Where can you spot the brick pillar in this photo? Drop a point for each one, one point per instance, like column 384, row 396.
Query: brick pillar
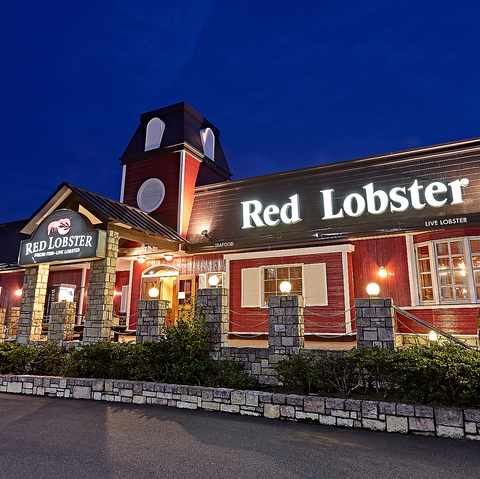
column 12, row 323
column 375, row 322
column 216, row 304
column 3, row 332
column 151, row 319
column 286, row 329
column 101, row 287
column 62, row 321
column 33, row 303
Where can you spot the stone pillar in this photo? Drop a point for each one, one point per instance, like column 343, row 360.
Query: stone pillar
column 12, row 323
column 375, row 322
column 32, row 305
column 286, row 328
column 101, row 288
column 3, row 332
column 215, row 302
column 151, row 319
column 62, row 321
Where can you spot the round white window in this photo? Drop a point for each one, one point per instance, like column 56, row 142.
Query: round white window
column 150, row 195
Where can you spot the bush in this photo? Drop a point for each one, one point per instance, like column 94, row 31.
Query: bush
column 180, row 356
column 438, row 375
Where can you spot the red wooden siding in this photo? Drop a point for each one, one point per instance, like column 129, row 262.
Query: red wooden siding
column 190, row 178
column 451, row 320
column 10, row 282
column 256, row 319
column 444, row 234
column 166, row 169
column 389, row 252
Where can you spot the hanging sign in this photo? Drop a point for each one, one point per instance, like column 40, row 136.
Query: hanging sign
column 62, row 237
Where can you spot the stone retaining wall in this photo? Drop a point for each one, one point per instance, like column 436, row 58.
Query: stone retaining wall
column 456, row 423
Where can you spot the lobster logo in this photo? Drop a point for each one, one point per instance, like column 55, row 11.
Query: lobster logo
column 61, row 226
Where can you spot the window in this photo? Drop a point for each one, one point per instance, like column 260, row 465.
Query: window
column 275, row 275
column 449, row 271
column 153, row 137
column 208, row 142
column 307, row 280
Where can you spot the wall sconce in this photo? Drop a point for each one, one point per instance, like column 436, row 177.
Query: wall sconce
column 373, row 290
column 382, row 272
column 153, row 292
column 168, row 256
column 18, row 292
column 213, row 281
column 285, row 287
column 205, row 233
column 141, row 259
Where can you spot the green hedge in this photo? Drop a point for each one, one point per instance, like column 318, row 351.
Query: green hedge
column 448, row 375
column 178, row 357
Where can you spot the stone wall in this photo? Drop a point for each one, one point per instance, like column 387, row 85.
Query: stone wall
column 3, row 326
column 101, row 287
column 375, row 321
column 450, row 422
column 12, row 323
column 151, row 319
column 32, row 305
column 62, row 321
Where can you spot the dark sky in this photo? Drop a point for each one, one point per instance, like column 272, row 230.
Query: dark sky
column 289, row 84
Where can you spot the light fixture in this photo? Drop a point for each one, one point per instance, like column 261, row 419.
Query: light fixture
column 153, row 292
column 432, row 336
column 141, row 259
column 18, row 292
column 373, row 289
column 205, row 233
column 213, row 281
column 117, row 293
column 285, row 287
column 168, row 256
column 381, row 272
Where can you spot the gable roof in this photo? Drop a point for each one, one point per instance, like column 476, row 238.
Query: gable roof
column 10, row 239
column 106, row 210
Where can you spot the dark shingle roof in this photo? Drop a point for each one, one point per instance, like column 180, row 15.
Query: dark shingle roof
column 10, row 239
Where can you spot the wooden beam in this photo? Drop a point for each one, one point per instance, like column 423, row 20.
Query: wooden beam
column 145, row 238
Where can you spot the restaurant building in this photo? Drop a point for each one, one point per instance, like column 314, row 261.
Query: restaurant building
column 407, row 221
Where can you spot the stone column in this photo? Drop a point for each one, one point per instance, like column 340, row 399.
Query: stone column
column 151, row 319
column 215, row 302
column 3, row 332
column 12, row 323
column 32, row 305
column 101, row 288
column 286, row 328
column 375, row 320
column 62, row 321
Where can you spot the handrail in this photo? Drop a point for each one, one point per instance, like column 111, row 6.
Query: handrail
column 432, row 327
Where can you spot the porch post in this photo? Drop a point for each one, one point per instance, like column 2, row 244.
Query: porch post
column 375, row 320
column 216, row 304
column 33, row 303
column 101, row 287
column 151, row 319
column 62, row 321
column 286, row 327
column 3, row 314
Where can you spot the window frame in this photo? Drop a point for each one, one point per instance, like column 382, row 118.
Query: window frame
column 473, row 298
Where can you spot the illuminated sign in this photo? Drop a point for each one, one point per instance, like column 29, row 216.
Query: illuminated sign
column 62, row 237
column 374, row 201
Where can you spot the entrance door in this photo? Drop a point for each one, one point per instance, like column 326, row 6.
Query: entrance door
column 185, row 291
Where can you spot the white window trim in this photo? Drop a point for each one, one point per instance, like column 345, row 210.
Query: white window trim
column 437, row 302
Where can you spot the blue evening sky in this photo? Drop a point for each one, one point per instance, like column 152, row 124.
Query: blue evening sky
column 289, row 84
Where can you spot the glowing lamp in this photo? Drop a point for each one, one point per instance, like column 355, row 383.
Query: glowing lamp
column 432, row 336
column 213, row 281
column 168, row 256
column 285, row 287
column 141, row 259
column 153, row 292
column 373, row 289
column 381, row 272
column 18, row 292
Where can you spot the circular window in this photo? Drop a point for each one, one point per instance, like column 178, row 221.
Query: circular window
column 150, row 195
